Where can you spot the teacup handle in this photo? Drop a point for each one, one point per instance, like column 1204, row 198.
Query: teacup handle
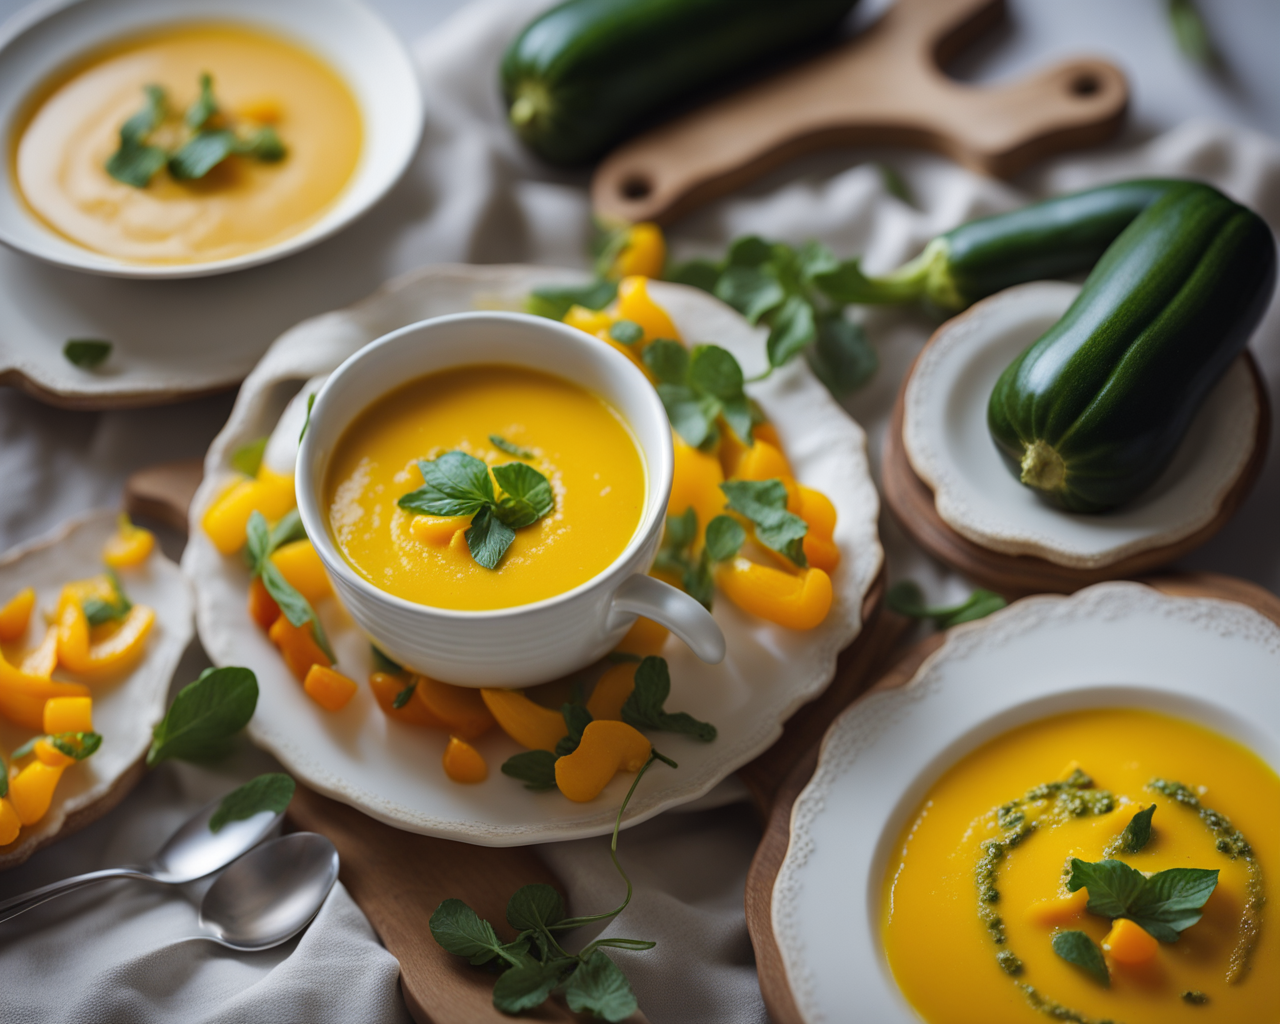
column 680, row 613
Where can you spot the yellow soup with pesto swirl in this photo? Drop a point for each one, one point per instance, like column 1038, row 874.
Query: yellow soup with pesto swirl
column 984, row 921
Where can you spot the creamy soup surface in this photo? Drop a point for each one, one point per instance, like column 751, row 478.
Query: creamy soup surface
column 242, row 205
column 937, row 917
column 578, row 442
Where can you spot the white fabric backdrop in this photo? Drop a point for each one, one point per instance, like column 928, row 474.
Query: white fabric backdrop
column 473, row 195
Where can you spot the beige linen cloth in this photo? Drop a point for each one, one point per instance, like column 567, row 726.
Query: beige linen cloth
column 111, row 954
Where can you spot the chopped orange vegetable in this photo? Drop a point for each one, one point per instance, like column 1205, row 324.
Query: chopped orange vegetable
column 816, row 509
column 644, row 637
column 264, row 110
column 15, row 616
column 31, row 791
column 763, row 461
column 386, row 687
column 794, row 600
column 298, row 647
column 117, row 652
column 463, row 763
column 68, row 714
column 529, row 724
column 331, row 690
column 262, row 606
column 593, row 321
column 227, row 519
column 605, row 749
column 645, row 253
column 47, row 753
column 461, row 708
column 1128, row 943
column 611, row 692
column 23, row 696
column 10, row 826
column 1059, row 911
column 42, row 659
column 437, row 531
column 634, row 304
column 695, row 483
column 129, row 546
column 302, row 569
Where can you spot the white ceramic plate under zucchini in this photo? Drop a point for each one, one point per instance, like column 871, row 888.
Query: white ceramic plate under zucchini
column 125, row 710
column 1110, row 645
column 947, row 442
column 392, row 771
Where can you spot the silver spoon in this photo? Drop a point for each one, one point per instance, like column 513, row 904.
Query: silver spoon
column 270, row 894
column 192, row 852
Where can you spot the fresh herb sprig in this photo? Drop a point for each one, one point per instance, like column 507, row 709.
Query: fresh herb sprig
column 764, row 503
column 247, row 459
column 458, row 484
column 1164, row 905
column 98, row 611
column 86, row 353
column 269, row 792
column 555, row 302
column 262, row 543
column 1077, row 948
column 77, row 745
column 697, row 388
column 1192, row 35
column 534, row 964
column 906, row 598
column 204, row 716
column 722, row 539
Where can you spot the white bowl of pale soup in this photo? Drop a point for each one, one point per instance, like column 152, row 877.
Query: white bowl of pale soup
column 487, row 492
column 182, row 138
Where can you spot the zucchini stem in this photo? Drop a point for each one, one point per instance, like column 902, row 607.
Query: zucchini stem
column 530, row 104
column 1043, row 468
column 927, row 277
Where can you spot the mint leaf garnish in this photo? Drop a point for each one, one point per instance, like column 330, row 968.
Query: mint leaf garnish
column 1137, row 833
column 503, row 445
column 906, row 598
column 626, row 332
column 554, row 303
column 455, row 484
column 1077, row 948
column 204, row 716
column 1167, row 903
column 86, row 353
column 535, row 768
column 645, row 708
column 270, row 792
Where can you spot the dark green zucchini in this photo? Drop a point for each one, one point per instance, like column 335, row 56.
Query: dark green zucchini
column 1094, row 410
column 589, row 72
column 1054, row 238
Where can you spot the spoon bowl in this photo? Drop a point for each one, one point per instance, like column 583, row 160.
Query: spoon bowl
column 271, row 893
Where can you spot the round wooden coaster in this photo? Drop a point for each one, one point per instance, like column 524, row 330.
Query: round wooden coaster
column 912, row 503
column 777, row 834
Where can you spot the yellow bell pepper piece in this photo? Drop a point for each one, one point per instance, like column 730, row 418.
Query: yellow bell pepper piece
column 42, row 659
column 331, row 690
column 605, row 749
column 634, row 304
column 763, row 461
column 816, row 509
column 23, row 696
column 438, row 531
column 297, row 645
column 644, row 254
column 47, row 753
column 1129, row 944
column 644, row 637
column 695, row 483
column 262, row 606
column 460, row 708
column 129, row 546
column 68, row 714
column 593, row 321
column 463, row 763
column 116, row 652
column 529, row 724
column 31, row 791
column 302, row 569
column 387, row 687
column 10, row 826
column 611, row 692
column 794, row 600
column 227, row 519
column 15, row 616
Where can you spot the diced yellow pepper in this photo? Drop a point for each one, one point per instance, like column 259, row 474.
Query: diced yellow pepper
column 763, row 461
column 42, row 659
column 1129, row 944
column 463, row 763
column 297, row 645
column 47, row 753
column 68, row 714
column 227, row 519
column 816, row 509
column 605, row 749
column 794, row 600
column 645, row 253
column 634, row 304
column 262, row 606
column 695, row 483
column 302, row 569
column 31, row 791
column 387, row 687
column 437, row 531
column 331, row 690
column 264, row 110
column 23, row 696
column 129, row 546
column 460, row 708
column 1059, row 911
column 593, row 321
column 15, row 616
column 10, row 826
column 611, row 692
column 644, row 637
column 97, row 659
column 529, row 724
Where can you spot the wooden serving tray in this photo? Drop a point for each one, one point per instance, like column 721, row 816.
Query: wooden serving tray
column 912, row 502
column 777, row 836
column 883, row 87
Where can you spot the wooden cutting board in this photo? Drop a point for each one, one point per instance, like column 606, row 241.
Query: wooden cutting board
column 773, row 847
column 885, row 86
column 399, row 878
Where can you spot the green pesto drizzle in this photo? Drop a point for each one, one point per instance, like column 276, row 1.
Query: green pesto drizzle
column 1232, row 844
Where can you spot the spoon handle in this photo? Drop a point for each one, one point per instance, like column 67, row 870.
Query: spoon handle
column 18, row 904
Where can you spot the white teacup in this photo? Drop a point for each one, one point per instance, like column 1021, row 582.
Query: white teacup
column 525, row 644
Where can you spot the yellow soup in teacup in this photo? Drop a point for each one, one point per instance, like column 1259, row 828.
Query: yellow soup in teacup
column 1108, row 865
column 190, row 144
column 485, row 487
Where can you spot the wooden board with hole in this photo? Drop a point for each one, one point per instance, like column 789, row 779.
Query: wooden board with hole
column 885, row 86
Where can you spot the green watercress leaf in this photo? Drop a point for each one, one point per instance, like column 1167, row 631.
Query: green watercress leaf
column 529, row 984
column 488, row 537
column 692, row 416
column 724, row 539
column 461, row 931
column 204, row 716
column 287, row 530
column 296, row 608
column 713, row 371
column 135, row 162
column 247, row 459
column 814, row 258
column 600, row 988
column 1077, row 948
column 503, row 445
column 533, row 907
column 793, row 327
column 204, row 107
column 455, row 484
column 645, row 708
column 555, row 302
column 4, row 777
column 895, row 184
column 841, row 356
column 906, row 598
column 698, row 273
column 764, row 502
column 535, row 768
column 576, row 719
column 527, row 495
column 270, row 792
column 86, row 353
column 749, row 251
column 667, row 360
column 201, row 154
column 76, row 744
column 1137, row 833
column 750, row 291
column 148, row 119
column 25, row 749
column 626, row 332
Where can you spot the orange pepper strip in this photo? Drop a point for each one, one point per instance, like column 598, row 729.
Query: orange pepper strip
column 634, row 304
column 116, row 653
column 302, row 569
column 386, row 687
column 796, row 601
column 763, row 461
column 529, row 724
column 10, row 825
column 227, row 519
column 129, row 546
column 611, row 692
column 463, row 763
column 298, row 647
column 606, row 748
column 331, row 690
column 42, row 659
column 31, row 791
column 262, row 606
column 644, row 637
column 15, row 616
column 47, row 753
column 68, row 714
column 816, row 509
column 23, row 696
column 461, row 708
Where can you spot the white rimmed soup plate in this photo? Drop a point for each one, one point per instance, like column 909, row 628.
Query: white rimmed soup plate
column 525, row 644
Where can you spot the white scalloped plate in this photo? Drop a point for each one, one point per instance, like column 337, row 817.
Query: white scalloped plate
column 124, row 711
column 392, row 771
column 947, row 442
column 1113, row 645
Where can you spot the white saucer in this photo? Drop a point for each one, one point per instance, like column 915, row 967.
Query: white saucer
column 948, row 445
